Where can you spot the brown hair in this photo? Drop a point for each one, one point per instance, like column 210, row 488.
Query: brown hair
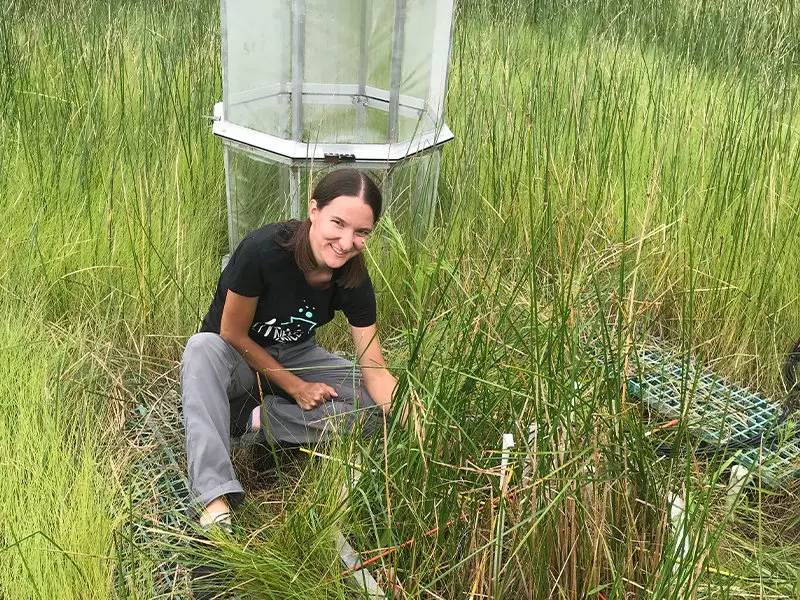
column 293, row 236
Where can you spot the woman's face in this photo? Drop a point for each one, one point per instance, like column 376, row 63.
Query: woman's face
column 340, row 230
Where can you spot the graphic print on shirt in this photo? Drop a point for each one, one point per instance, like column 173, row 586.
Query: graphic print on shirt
column 288, row 331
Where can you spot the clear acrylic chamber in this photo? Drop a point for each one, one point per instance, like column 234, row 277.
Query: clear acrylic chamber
column 260, row 191
column 313, row 85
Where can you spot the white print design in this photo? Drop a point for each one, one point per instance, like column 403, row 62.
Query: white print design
column 289, row 331
column 259, row 326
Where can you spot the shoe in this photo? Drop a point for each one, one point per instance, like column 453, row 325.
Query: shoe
column 219, row 521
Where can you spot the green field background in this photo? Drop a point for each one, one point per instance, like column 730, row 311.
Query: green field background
column 620, row 172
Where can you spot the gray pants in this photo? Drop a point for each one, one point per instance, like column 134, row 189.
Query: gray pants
column 219, row 390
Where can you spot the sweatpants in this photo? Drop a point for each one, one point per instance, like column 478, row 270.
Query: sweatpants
column 219, row 390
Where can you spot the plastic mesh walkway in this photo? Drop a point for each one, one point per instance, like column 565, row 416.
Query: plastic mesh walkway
column 160, row 521
column 717, row 411
column 159, row 496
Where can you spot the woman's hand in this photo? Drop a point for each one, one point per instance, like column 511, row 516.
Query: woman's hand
column 309, row 395
column 380, row 383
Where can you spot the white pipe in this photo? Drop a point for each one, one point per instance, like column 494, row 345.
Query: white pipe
column 362, row 577
column 740, row 475
column 678, row 521
column 508, row 443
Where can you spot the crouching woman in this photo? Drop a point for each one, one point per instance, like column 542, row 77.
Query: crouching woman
column 282, row 283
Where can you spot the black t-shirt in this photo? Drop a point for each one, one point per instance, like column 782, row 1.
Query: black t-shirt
column 289, row 309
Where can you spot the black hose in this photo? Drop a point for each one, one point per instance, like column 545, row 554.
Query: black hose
column 790, row 372
column 767, row 438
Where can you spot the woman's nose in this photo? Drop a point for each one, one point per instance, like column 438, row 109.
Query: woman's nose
column 346, row 241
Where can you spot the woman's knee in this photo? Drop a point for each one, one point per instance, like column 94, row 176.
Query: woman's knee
column 204, row 348
column 208, row 362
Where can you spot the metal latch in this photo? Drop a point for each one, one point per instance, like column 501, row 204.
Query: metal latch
column 334, row 158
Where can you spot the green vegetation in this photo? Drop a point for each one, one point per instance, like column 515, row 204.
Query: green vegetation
column 619, row 171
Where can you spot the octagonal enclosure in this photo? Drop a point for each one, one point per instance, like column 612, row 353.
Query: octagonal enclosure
column 261, row 190
column 310, row 85
column 370, row 74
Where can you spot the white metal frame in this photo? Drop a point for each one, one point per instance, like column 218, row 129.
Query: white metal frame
column 291, row 151
column 292, row 90
column 398, row 38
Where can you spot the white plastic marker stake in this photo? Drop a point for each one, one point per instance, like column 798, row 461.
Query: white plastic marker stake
column 740, row 475
column 508, row 443
column 361, row 577
column 678, row 520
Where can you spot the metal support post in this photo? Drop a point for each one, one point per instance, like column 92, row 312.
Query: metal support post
column 294, row 192
column 298, row 49
column 230, row 194
column 426, row 191
column 398, row 43
column 361, row 100
column 387, row 191
column 285, row 97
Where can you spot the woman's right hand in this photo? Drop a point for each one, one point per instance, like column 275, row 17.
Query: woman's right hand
column 310, row 395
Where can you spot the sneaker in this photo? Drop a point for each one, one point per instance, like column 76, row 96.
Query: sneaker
column 220, row 521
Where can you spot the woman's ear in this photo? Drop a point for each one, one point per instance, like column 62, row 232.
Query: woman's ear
column 312, row 210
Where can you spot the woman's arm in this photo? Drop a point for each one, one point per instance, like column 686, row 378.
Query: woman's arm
column 380, row 383
column 237, row 317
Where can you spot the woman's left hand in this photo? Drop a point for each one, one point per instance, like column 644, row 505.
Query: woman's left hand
column 380, row 383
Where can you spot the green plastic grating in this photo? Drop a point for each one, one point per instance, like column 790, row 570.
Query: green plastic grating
column 160, row 498
column 159, row 494
column 774, row 465
column 716, row 410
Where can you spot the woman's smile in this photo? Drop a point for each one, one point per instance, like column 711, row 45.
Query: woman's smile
column 339, row 230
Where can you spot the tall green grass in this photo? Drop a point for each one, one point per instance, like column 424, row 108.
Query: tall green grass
column 56, row 504
column 111, row 199
column 619, row 171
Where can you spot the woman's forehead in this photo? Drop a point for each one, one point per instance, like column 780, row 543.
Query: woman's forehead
column 352, row 208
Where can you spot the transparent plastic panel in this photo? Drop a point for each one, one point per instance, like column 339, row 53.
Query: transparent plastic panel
column 258, row 193
column 342, row 48
column 322, row 70
column 343, row 124
column 440, row 58
column 332, row 41
column 256, row 63
column 420, row 24
column 426, row 52
column 381, row 26
column 410, row 192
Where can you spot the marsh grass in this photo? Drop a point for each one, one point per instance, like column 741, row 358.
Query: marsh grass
column 55, row 503
column 618, row 172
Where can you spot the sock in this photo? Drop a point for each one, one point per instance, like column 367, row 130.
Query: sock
column 207, row 519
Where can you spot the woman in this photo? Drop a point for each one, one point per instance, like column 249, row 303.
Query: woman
column 282, row 283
